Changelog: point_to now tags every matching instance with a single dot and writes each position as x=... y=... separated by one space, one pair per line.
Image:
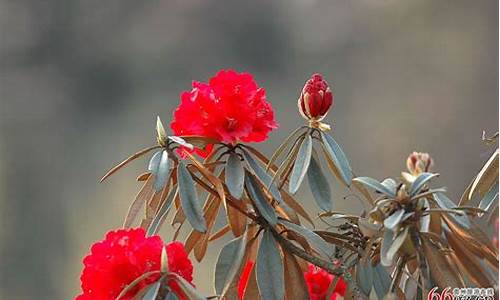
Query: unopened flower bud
x=419 y=162
x=316 y=99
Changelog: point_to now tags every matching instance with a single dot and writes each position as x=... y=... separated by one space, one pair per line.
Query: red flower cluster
x=123 y=256
x=316 y=98
x=317 y=280
x=230 y=108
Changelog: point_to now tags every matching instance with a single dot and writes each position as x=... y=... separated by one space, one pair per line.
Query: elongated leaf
x=384 y=249
x=187 y=288
x=181 y=141
x=127 y=160
x=162 y=172
x=445 y=202
x=316 y=242
x=264 y=177
x=142 y=197
x=159 y=218
x=319 y=185
x=443 y=273
x=421 y=180
x=489 y=198
x=374 y=184
x=390 y=184
x=381 y=281
x=220 y=233
x=295 y=285
x=171 y=296
x=396 y=245
x=486 y=177
x=301 y=164
x=255 y=193
x=154 y=162
x=237 y=221
x=228 y=264
x=283 y=146
x=152 y=291
x=393 y=220
x=338 y=156
x=269 y=269
x=134 y=283
x=364 y=277
x=198 y=141
x=189 y=199
x=235 y=175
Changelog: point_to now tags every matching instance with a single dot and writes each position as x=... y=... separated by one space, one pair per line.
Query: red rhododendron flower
x=123 y=256
x=316 y=98
x=245 y=276
x=318 y=281
x=230 y=108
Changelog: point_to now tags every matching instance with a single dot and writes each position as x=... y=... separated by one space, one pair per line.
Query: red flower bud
x=316 y=98
x=419 y=162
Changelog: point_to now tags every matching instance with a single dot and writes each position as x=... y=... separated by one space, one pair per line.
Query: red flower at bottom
x=123 y=256
x=318 y=281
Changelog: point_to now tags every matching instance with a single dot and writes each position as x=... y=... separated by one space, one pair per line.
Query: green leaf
x=189 y=199
x=381 y=281
x=319 y=185
x=390 y=184
x=283 y=146
x=228 y=264
x=386 y=245
x=255 y=193
x=338 y=156
x=154 y=162
x=364 y=277
x=180 y=141
x=420 y=181
x=160 y=216
x=393 y=220
x=152 y=291
x=134 y=283
x=235 y=175
x=487 y=200
x=159 y=165
x=396 y=244
x=187 y=288
x=301 y=164
x=171 y=296
x=315 y=241
x=264 y=177
x=374 y=184
x=269 y=269
x=446 y=203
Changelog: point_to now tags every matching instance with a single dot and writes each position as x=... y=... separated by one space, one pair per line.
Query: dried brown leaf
x=295 y=285
x=128 y=160
x=144 y=176
x=142 y=197
x=442 y=271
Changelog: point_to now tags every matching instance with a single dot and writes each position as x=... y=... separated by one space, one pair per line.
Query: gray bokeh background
x=81 y=83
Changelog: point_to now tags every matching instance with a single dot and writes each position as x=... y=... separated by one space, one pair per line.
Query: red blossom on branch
x=316 y=98
x=230 y=108
x=318 y=281
x=123 y=256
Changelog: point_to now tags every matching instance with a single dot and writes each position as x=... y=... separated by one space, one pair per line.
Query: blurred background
x=81 y=83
